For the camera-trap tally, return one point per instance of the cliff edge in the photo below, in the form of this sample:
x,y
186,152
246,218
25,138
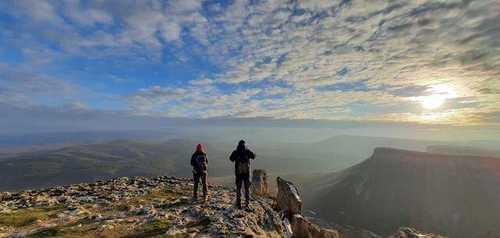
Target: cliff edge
x,y
133,207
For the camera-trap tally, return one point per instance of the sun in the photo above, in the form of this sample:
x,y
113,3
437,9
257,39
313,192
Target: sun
x,y
432,101
438,95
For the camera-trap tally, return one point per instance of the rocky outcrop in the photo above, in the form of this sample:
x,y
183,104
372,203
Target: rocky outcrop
x,y
260,186
290,203
304,228
288,198
407,232
134,207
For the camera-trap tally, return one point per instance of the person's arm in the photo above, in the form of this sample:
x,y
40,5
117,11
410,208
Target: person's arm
x,y
192,160
251,155
206,158
233,156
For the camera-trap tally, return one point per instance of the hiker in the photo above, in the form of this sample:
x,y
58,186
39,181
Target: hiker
x,y
199,161
241,158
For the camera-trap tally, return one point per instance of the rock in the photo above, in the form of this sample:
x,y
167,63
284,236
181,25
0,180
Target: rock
x,y
329,233
148,205
5,196
407,232
296,225
351,232
302,228
288,198
260,185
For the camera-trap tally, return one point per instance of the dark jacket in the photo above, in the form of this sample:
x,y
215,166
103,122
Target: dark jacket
x,y
241,155
193,157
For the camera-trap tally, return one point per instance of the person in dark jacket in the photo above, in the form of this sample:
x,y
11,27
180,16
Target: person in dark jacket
x,y
241,158
199,161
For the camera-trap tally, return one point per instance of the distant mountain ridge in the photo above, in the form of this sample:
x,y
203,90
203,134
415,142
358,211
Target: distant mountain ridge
x,y
58,164
457,196
462,150
87,163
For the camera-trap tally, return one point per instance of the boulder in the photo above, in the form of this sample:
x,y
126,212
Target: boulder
x,y
5,196
302,228
288,198
329,233
352,232
260,185
407,232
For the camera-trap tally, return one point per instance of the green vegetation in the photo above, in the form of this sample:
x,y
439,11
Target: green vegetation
x,y
154,228
49,232
157,194
27,217
18,219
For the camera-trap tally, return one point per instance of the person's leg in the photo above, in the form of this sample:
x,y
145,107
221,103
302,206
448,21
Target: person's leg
x,y
196,180
247,189
238,191
205,186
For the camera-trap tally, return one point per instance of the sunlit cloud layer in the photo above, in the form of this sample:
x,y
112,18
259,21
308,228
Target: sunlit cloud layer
x,y
428,61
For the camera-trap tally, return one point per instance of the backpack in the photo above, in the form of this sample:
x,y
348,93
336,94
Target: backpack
x,y
243,164
200,163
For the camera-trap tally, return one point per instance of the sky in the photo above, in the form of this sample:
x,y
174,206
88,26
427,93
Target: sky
x,y
413,61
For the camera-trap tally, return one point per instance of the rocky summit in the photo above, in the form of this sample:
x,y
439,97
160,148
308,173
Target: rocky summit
x,y
134,207
162,207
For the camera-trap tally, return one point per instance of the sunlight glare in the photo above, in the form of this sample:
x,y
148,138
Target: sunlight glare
x,y
432,101
439,95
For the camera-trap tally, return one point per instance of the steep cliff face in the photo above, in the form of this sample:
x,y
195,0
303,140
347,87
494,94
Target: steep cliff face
x,y
457,196
133,207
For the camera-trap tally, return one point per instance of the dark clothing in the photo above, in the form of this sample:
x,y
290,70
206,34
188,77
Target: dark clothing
x,y
199,174
242,179
241,158
196,180
195,155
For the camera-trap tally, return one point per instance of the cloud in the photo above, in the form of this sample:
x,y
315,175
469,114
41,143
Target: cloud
x,y
21,87
86,16
358,60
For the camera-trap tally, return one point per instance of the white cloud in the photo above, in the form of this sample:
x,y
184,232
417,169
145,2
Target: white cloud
x,y
23,88
301,59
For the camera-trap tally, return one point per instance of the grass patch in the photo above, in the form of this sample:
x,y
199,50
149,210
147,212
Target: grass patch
x,y
157,194
121,207
22,217
172,236
154,228
88,230
49,232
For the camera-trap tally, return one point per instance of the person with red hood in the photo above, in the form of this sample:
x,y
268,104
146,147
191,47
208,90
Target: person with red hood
x,y
199,161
